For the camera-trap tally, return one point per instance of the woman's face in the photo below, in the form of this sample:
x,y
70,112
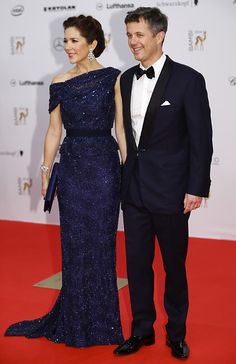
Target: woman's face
x,y
75,45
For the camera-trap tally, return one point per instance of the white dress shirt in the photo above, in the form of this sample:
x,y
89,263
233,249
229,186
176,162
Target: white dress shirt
x,y
142,90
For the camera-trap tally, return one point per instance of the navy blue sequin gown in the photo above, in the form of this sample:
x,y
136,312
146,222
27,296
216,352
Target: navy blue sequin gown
x,y
87,311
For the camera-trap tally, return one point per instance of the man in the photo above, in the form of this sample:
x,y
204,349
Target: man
x,y
165,176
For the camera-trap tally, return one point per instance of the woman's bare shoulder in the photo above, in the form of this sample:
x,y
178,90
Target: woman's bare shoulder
x,y
61,77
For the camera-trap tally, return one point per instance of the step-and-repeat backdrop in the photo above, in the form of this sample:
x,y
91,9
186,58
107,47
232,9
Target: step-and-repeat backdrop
x,y
201,34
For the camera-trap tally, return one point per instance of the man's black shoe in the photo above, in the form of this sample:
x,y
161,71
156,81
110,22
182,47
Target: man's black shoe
x,y
133,344
179,349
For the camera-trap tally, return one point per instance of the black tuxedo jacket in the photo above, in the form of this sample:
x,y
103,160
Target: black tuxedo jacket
x,y
175,149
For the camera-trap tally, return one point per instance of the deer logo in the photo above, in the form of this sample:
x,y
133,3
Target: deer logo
x,y
24,184
200,39
23,116
19,45
27,185
107,39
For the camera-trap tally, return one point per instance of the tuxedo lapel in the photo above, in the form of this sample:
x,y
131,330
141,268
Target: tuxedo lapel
x,y
126,98
155,102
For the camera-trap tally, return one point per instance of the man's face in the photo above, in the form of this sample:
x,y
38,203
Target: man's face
x,y
145,46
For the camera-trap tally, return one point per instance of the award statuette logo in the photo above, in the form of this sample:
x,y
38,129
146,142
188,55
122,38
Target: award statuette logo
x,y
17,45
24,185
196,40
21,115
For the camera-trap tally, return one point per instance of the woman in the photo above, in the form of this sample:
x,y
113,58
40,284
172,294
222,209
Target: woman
x,y
85,100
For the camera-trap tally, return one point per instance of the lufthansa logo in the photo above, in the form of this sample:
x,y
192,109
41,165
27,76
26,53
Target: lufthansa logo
x,y
99,6
31,83
17,10
58,44
120,6
13,83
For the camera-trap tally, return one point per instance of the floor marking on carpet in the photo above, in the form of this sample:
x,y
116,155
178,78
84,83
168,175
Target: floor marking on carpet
x,y
54,282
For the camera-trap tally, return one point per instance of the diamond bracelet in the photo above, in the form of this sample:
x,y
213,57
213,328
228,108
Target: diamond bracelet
x,y
44,169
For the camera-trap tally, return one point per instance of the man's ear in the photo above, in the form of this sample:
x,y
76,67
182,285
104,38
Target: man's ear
x,y
160,37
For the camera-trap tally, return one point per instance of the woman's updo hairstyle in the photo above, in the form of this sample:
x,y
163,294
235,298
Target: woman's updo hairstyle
x,y
90,29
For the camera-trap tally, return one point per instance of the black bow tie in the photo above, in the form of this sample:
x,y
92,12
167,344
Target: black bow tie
x,y
150,73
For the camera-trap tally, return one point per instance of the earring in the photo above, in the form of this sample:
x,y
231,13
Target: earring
x,y
91,56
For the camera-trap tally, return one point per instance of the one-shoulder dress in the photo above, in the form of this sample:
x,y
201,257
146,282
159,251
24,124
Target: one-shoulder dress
x,y
86,312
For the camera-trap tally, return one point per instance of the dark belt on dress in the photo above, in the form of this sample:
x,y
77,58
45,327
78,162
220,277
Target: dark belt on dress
x,y
87,133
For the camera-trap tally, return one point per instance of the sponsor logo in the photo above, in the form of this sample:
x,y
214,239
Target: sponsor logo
x,y
196,40
24,185
232,79
173,3
16,153
215,161
58,44
17,10
21,115
17,45
51,9
183,3
13,83
31,83
100,6
120,6
107,39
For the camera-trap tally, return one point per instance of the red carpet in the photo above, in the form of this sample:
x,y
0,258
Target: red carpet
x,y
31,253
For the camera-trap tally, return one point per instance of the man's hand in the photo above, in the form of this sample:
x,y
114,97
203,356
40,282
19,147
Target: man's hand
x,y
191,202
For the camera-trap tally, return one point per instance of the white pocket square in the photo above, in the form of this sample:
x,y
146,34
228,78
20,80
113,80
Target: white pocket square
x,y
165,103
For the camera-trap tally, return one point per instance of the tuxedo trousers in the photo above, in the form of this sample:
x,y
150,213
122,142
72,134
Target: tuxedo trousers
x,y
171,230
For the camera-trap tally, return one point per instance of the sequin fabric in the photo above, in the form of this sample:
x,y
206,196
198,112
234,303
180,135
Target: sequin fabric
x,y
87,310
